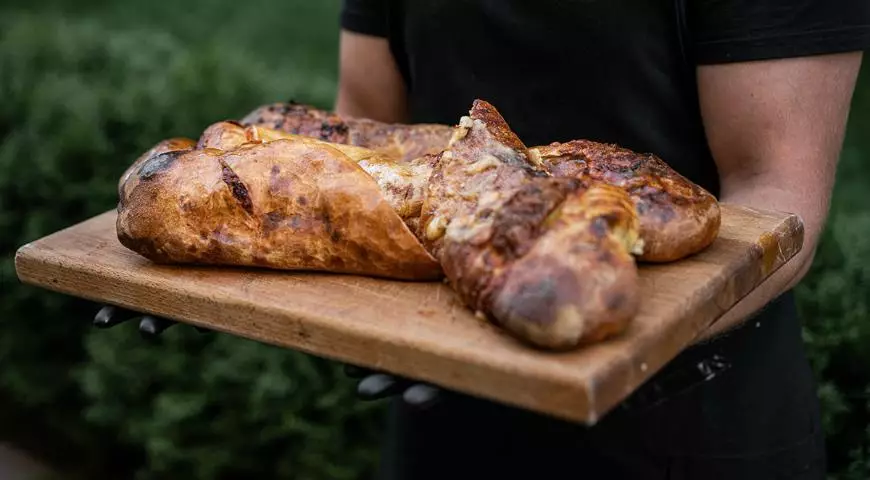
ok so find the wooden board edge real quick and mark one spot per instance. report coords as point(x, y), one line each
point(775, 249)
point(585, 407)
point(29, 263)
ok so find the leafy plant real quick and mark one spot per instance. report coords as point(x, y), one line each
point(82, 101)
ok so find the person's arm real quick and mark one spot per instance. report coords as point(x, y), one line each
point(776, 129)
point(369, 82)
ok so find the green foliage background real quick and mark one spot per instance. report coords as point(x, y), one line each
point(85, 87)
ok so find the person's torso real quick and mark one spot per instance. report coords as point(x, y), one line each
point(604, 70)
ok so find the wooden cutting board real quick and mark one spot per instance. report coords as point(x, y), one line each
point(420, 330)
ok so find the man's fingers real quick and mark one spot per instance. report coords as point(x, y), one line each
point(151, 327)
point(110, 315)
point(354, 371)
point(379, 385)
point(422, 395)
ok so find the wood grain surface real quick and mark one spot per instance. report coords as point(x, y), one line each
point(419, 330)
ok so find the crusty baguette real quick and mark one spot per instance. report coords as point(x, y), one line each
point(284, 204)
point(677, 217)
point(549, 259)
point(402, 183)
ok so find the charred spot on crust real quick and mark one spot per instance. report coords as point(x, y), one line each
point(301, 200)
point(272, 221)
point(642, 207)
point(532, 302)
point(599, 227)
point(329, 227)
point(517, 224)
point(233, 122)
point(334, 130)
point(158, 163)
point(615, 300)
point(237, 187)
point(277, 183)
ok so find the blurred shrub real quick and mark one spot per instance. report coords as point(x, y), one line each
point(81, 101)
point(834, 302)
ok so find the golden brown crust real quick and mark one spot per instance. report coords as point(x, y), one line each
point(404, 142)
point(284, 204)
point(484, 163)
point(545, 258)
point(576, 282)
point(300, 119)
point(225, 135)
point(128, 181)
point(403, 184)
point(678, 218)
point(400, 141)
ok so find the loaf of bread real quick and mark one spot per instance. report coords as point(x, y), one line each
point(541, 241)
point(548, 259)
point(285, 204)
point(677, 217)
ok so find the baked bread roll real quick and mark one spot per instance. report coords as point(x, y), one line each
point(285, 204)
point(677, 217)
point(548, 259)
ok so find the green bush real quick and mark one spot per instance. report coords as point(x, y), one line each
point(81, 100)
point(834, 302)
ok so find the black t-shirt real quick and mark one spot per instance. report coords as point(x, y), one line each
point(617, 71)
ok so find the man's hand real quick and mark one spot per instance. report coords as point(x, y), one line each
point(150, 327)
point(374, 385)
point(776, 129)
